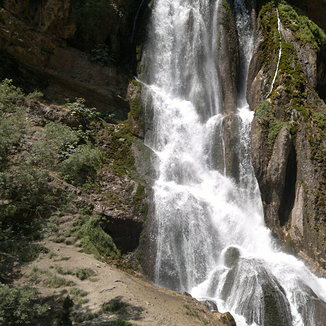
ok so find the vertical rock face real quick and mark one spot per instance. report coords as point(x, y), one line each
point(78, 48)
point(288, 131)
point(227, 56)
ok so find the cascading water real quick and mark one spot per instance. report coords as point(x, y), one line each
point(208, 228)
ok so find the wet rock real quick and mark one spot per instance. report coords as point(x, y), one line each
point(259, 294)
point(231, 124)
point(211, 305)
point(231, 256)
point(287, 142)
point(227, 56)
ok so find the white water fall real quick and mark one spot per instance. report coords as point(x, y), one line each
point(208, 227)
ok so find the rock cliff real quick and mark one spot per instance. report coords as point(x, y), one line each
point(288, 131)
point(70, 48)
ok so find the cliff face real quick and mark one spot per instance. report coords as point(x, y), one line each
point(71, 48)
point(288, 131)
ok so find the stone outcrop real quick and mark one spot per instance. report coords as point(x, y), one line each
point(227, 56)
point(288, 132)
point(77, 49)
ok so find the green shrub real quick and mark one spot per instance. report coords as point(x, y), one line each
point(84, 273)
point(56, 282)
point(81, 166)
point(84, 114)
point(103, 55)
point(11, 131)
point(94, 240)
point(26, 197)
point(78, 292)
point(275, 128)
point(116, 306)
point(18, 306)
point(11, 97)
point(57, 142)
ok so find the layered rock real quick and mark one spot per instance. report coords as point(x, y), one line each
point(288, 132)
point(227, 56)
point(80, 49)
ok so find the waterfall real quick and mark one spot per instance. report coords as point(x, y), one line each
point(208, 225)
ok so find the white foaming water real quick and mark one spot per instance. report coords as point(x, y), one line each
point(209, 229)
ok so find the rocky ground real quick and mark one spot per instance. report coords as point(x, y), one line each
point(64, 270)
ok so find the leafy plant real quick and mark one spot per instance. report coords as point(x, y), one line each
point(57, 142)
point(11, 131)
point(84, 273)
point(11, 97)
point(82, 165)
point(26, 196)
point(56, 282)
point(18, 306)
point(84, 114)
point(103, 55)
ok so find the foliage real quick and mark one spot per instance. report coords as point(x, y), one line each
point(275, 128)
point(84, 273)
point(25, 195)
point(119, 149)
point(78, 292)
point(264, 111)
point(103, 55)
point(11, 117)
point(11, 131)
point(81, 166)
point(116, 306)
point(18, 306)
point(57, 142)
point(304, 29)
point(95, 240)
point(84, 114)
point(54, 281)
point(11, 97)
point(116, 323)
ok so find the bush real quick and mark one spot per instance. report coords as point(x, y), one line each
point(25, 196)
point(11, 130)
point(11, 97)
point(81, 166)
point(57, 143)
point(84, 114)
point(18, 306)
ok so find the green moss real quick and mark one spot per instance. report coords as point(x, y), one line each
point(139, 200)
point(119, 149)
point(136, 114)
point(226, 6)
point(274, 128)
point(94, 240)
point(264, 111)
point(305, 31)
point(136, 108)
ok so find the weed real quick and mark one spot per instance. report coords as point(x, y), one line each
point(84, 273)
point(78, 292)
point(56, 282)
